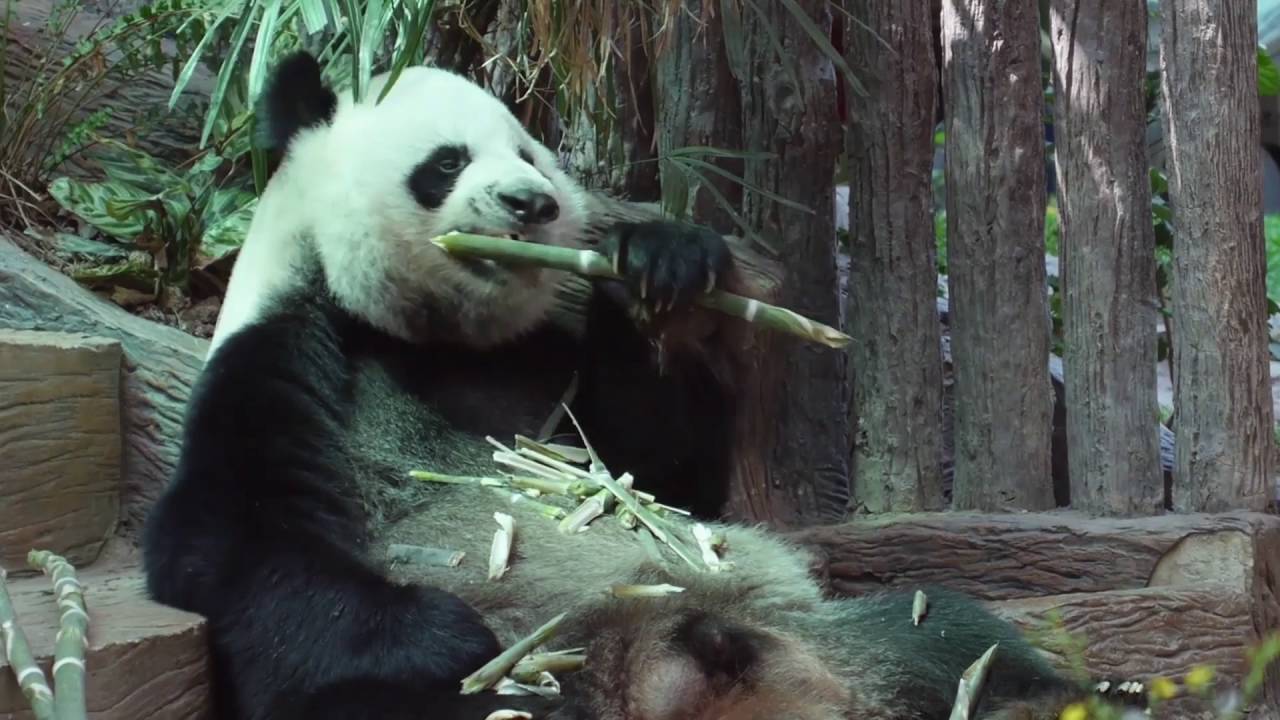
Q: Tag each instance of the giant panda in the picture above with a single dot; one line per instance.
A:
(350, 351)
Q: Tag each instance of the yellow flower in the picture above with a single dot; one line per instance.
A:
(1163, 689)
(1199, 677)
(1074, 711)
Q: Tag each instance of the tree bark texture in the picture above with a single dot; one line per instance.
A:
(727, 86)
(1221, 378)
(892, 311)
(696, 94)
(995, 249)
(788, 109)
(1108, 255)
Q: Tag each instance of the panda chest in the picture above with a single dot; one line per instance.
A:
(436, 411)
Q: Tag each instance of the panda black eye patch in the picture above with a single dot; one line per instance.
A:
(432, 179)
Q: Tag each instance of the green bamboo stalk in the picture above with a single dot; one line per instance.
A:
(15, 649)
(495, 669)
(72, 637)
(594, 264)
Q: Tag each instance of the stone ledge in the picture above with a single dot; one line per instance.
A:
(61, 437)
(145, 661)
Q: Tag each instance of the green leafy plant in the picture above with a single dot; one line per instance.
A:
(43, 118)
(183, 219)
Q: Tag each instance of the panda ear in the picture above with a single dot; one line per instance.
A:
(294, 99)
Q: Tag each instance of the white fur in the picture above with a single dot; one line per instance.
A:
(342, 190)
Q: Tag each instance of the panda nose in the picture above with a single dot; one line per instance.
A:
(531, 207)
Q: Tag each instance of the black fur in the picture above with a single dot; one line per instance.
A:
(667, 278)
(294, 98)
(433, 179)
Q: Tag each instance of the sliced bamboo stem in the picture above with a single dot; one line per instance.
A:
(22, 662)
(72, 638)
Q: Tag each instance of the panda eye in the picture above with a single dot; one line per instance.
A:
(449, 164)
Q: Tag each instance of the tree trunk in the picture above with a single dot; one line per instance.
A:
(1222, 389)
(1108, 262)
(730, 89)
(995, 251)
(697, 98)
(897, 411)
(788, 106)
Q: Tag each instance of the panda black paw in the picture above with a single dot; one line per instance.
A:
(667, 265)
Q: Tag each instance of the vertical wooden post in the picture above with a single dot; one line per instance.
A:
(1222, 392)
(788, 109)
(732, 90)
(995, 252)
(892, 312)
(1108, 255)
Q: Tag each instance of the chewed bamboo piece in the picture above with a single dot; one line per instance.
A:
(500, 551)
(594, 264)
(971, 682)
(497, 668)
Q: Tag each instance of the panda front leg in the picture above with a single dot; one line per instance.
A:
(658, 374)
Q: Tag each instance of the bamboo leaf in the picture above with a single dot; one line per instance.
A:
(227, 72)
(419, 14)
(377, 15)
(766, 24)
(824, 43)
(193, 62)
(735, 43)
(314, 16)
(262, 47)
(694, 150)
(749, 186)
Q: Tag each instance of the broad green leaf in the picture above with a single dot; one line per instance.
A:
(1268, 75)
(226, 226)
(129, 166)
(71, 245)
(92, 202)
(133, 273)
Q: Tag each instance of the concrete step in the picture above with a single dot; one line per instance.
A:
(144, 661)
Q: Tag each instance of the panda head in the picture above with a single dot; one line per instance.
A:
(362, 188)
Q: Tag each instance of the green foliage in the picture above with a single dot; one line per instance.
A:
(183, 219)
(43, 122)
(1268, 75)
